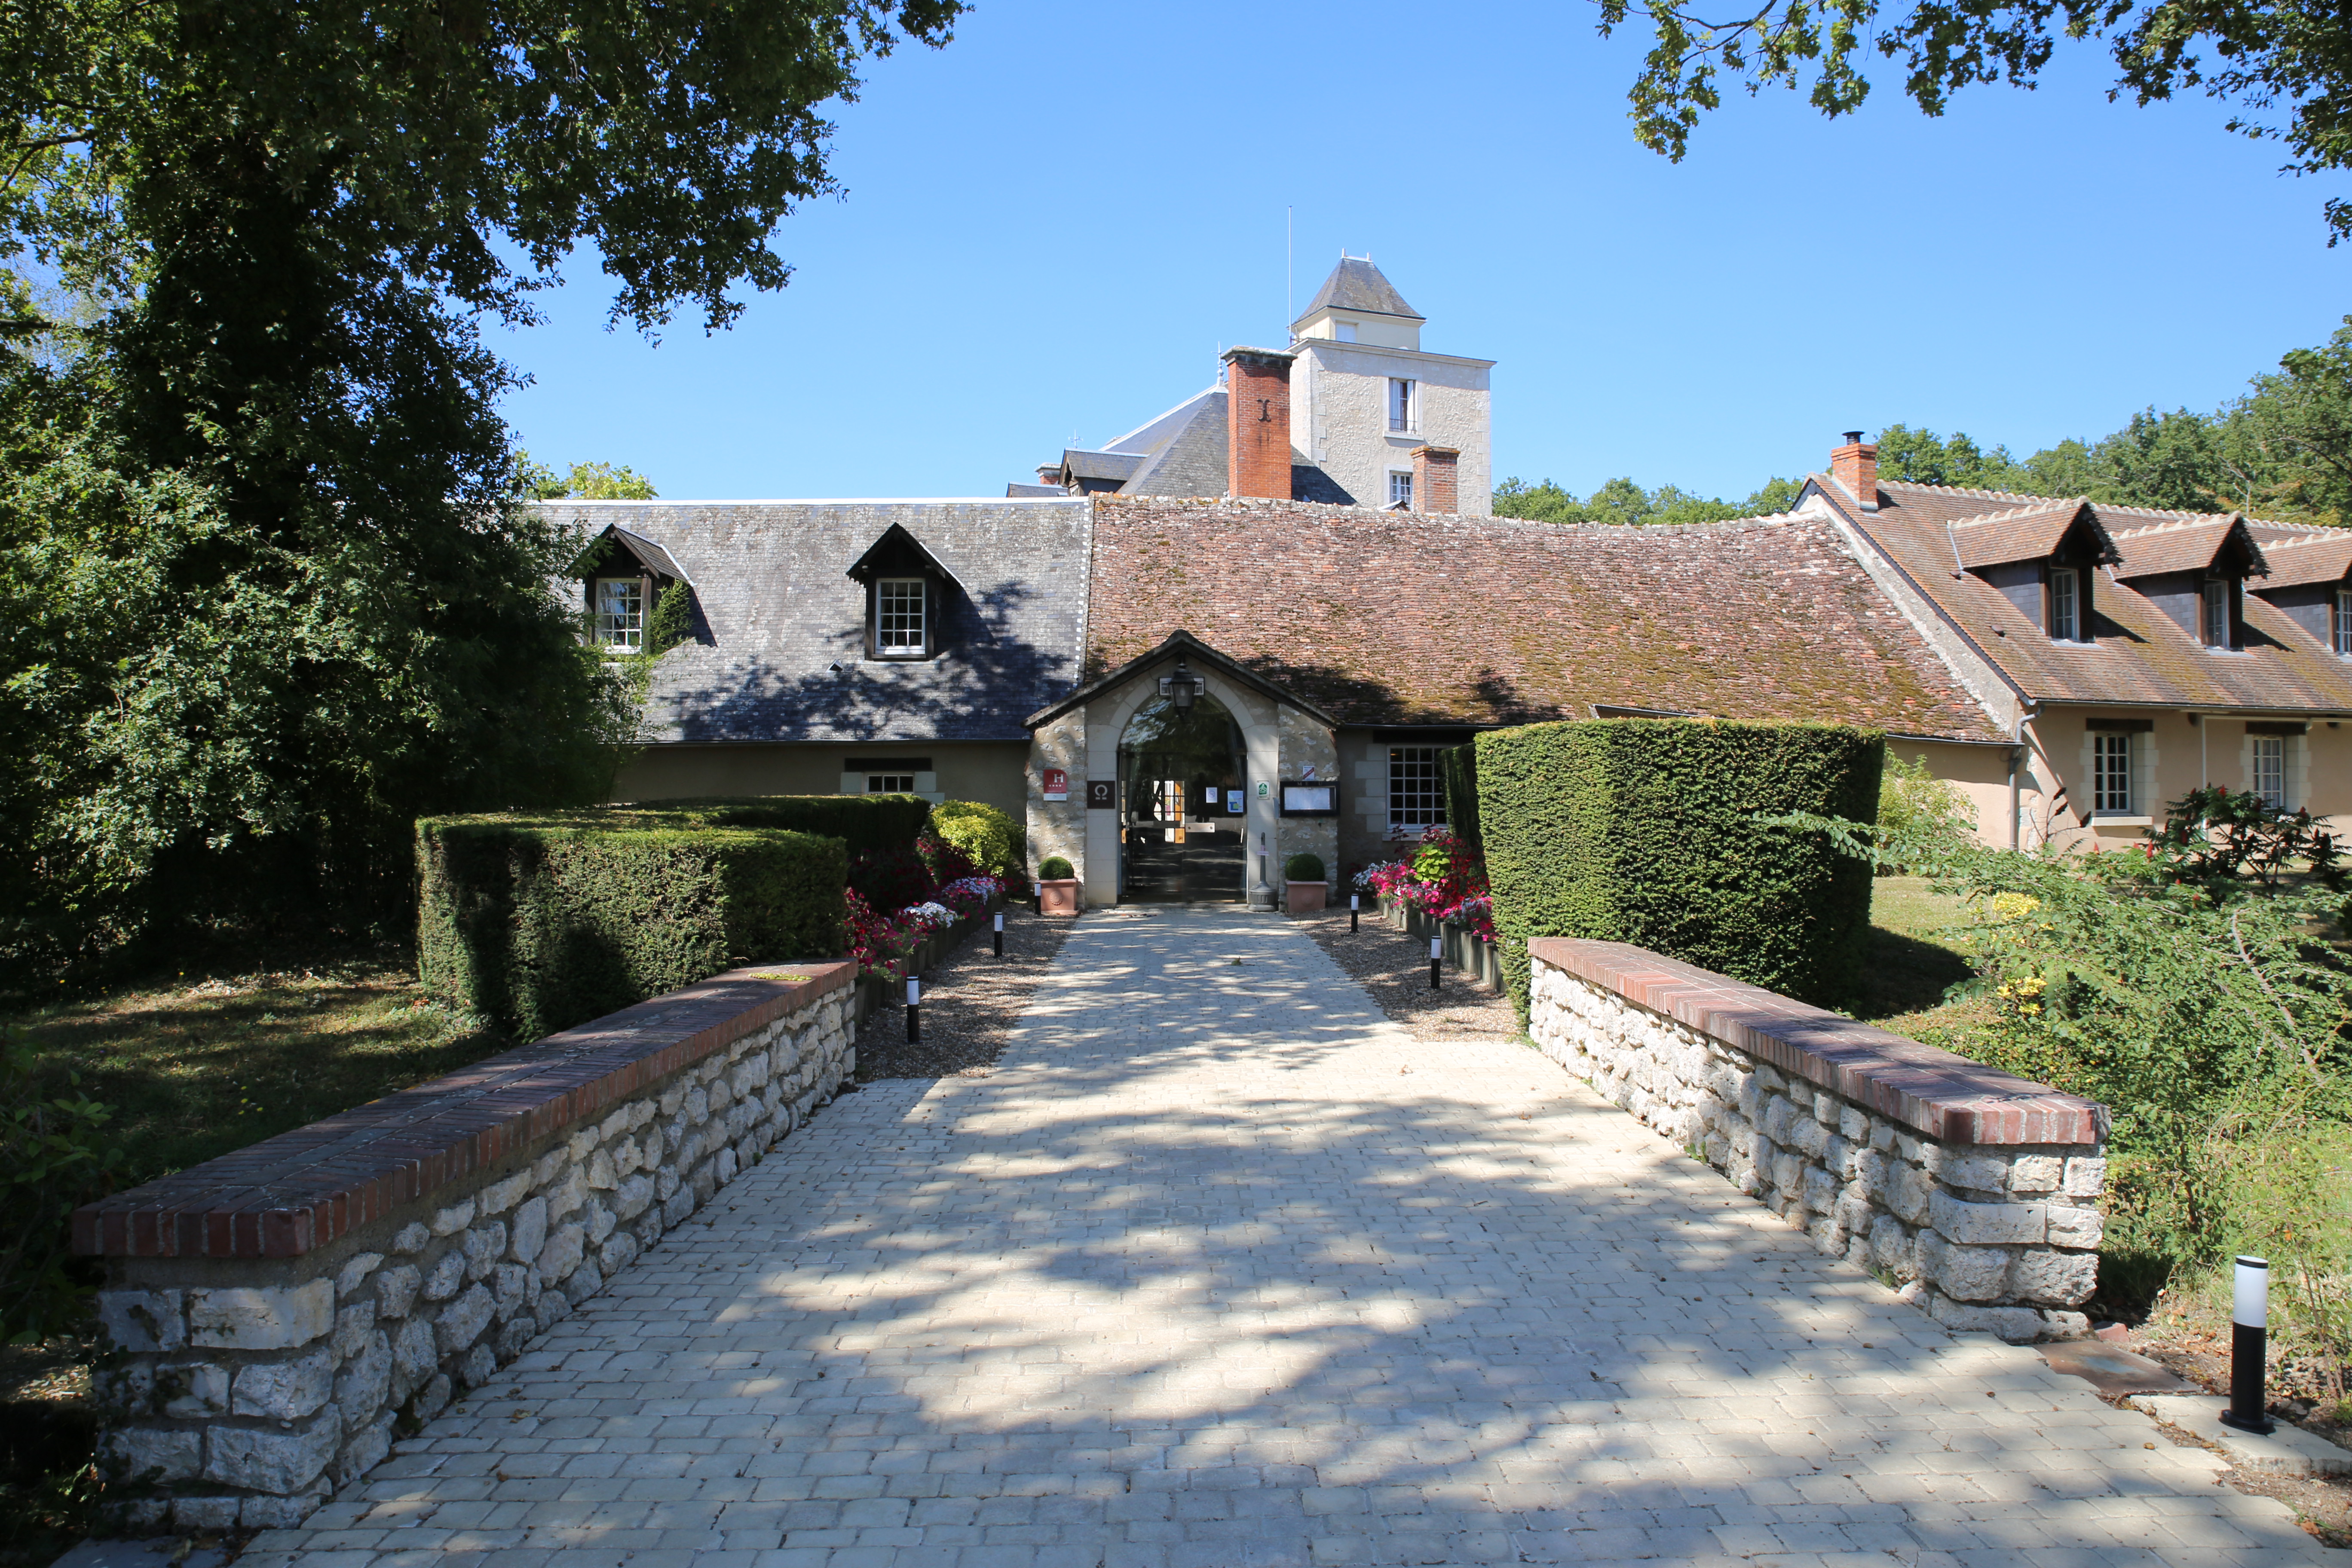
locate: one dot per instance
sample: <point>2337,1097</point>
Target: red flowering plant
<point>879,943</point>
<point>1446,879</point>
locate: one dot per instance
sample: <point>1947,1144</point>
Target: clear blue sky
<point>1052,225</point>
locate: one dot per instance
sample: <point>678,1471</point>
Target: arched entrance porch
<point>1184,780</point>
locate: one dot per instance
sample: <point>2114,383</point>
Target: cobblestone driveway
<point>1220,1269</point>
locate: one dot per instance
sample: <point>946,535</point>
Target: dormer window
<point>621,613</point>
<point>901,626</point>
<point>2342,640</point>
<point>2065,605</point>
<point>2215,619</point>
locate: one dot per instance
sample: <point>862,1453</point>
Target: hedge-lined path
<point>1220,1268</point>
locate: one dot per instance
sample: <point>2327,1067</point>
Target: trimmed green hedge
<point>1457,769</point>
<point>540,922</point>
<point>1635,830</point>
<point>862,822</point>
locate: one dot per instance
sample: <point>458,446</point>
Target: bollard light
<point>2249,1348</point>
<point>914,1010</point>
<point>1000,934</point>
<point>1353,899</point>
<point>1436,953</point>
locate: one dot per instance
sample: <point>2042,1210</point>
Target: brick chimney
<point>1856,465</point>
<point>1433,468</point>
<point>1257,423</point>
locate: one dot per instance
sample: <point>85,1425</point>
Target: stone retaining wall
<point>276,1315</point>
<point>1976,1190</point>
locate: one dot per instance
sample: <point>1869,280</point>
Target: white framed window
<point>899,618</point>
<point>1416,790</point>
<point>2341,622</point>
<point>890,784</point>
<point>2065,605</point>
<point>1403,410</point>
<point>621,613</point>
<point>2111,775</point>
<point>1401,490</point>
<point>2216,617</point>
<point>1344,330</point>
<point>2270,769</point>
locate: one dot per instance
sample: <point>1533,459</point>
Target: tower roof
<point>1356,285</point>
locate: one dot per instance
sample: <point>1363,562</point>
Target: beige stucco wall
<point>1058,826</point>
<point>1980,772</point>
<point>1309,743</point>
<point>1339,417</point>
<point>987,771</point>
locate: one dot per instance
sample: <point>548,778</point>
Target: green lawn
<point>196,1067</point>
<point>1915,958</point>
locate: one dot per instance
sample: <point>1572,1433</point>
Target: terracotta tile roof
<point>1396,617</point>
<point>2321,558</point>
<point>2140,654</point>
<point>1998,537</point>
<point>2184,544</point>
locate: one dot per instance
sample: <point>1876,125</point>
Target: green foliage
<point>541,923</point>
<point>1053,868</point>
<point>585,481</point>
<point>672,621</point>
<point>55,1153</point>
<point>864,823</point>
<point>1457,771</point>
<point>2213,835</point>
<point>2261,55</point>
<point>1915,807</point>
<point>1624,504</point>
<point>988,838</point>
<point>273,590</point>
<point>1303,867</point>
<point>1638,830</point>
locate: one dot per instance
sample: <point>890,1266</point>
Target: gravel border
<point>1394,968</point>
<point>972,999</point>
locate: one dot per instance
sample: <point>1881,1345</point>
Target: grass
<point>1914,959</point>
<point>197,1066</point>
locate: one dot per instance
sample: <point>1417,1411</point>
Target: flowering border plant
<point>1446,879</point>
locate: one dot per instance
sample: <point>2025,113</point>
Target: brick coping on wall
<point>297,1192</point>
<point>1948,1098</point>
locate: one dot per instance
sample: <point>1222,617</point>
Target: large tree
<point>2283,65</point>
<point>273,588</point>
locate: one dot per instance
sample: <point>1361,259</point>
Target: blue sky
<point>1053,225</point>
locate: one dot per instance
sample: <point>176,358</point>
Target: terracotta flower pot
<point>1306,897</point>
<point>1058,898</point>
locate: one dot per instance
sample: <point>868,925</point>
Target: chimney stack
<point>1856,465</point>
<point>1433,469</point>
<point>1257,423</point>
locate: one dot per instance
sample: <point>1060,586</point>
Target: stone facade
<point>243,1389</point>
<point>1996,1233</point>
<point>1308,742</point>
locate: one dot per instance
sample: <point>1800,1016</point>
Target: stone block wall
<point>277,1316</point>
<point>1975,1190</point>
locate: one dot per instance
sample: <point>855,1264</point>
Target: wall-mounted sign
<point>1310,799</point>
<point>1210,796</point>
<point>1057,784</point>
<point>1261,787</point>
<point>1102,794</point>
<point>1236,803</point>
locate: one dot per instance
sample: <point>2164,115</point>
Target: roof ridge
<point>2013,513</point>
<point>2316,536</point>
<point>1886,484</point>
<point>2178,521</point>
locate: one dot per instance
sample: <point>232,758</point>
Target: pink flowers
<point>1446,879</point>
<point>882,944</point>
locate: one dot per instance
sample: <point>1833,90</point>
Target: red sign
<point>1057,784</point>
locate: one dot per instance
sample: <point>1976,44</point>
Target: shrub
<point>539,923</point>
<point>1640,830</point>
<point>862,822</point>
<point>1457,771</point>
<point>1053,868</point>
<point>1303,868</point>
<point>1917,808</point>
<point>55,1155</point>
<point>988,838</point>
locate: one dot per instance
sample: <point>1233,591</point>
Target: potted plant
<point>1303,877</point>
<point>1058,887</point>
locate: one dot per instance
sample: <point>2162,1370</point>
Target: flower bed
<point>938,914</point>
<point>1441,891</point>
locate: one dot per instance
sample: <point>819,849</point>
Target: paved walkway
<point>1221,1268</point>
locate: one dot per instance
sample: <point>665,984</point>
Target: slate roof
<point>2138,656</point>
<point>1384,617</point>
<point>1356,285</point>
<point>775,609</point>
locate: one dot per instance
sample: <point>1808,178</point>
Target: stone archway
<point>1183,784</point>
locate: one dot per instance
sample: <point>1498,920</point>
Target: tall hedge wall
<point>539,923</point>
<point>1632,830</point>
<point>861,822</point>
<point>1457,769</point>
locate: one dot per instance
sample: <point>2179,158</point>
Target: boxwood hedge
<point>539,923</point>
<point>1637,830</point>
<point>862,822</point>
